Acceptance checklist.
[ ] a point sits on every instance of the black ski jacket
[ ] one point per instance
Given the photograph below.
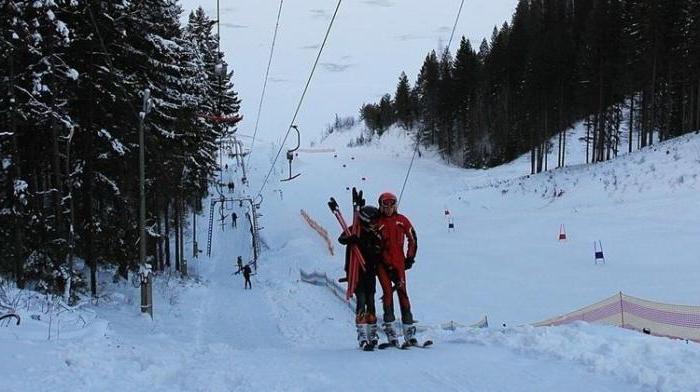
(370, 244)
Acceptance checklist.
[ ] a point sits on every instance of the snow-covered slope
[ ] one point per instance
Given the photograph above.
(502, 260)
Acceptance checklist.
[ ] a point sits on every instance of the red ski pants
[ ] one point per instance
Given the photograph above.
(388, 278)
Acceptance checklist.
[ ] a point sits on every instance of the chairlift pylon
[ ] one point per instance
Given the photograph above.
(290, 156)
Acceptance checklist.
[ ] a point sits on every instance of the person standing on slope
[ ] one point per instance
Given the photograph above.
(395, 229)
(246, 276)
(369, 242)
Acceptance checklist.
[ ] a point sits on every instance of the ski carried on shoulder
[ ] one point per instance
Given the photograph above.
(357, 261)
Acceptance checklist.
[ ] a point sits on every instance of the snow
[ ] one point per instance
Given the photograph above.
(62, 29)
(116, 144)
(503, 259)
(20, 187)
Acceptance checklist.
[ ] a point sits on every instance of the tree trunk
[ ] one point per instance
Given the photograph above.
(697, 110)
(560, 126)
(631, 126)
(183, 218)
(601, 131)
(588, 137)
(653, 102)
(533, 154)
(594, 142)
(159, 252)
(57, 194)
(90, 251)
(177, 234)
(18, 221)
(167, 231)
(545, 142)
(642, 136)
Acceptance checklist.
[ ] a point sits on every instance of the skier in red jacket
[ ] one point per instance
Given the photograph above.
(395, 229)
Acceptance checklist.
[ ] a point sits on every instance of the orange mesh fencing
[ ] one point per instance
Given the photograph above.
(319, 229)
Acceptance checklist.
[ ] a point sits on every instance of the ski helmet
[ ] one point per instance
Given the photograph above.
(368, 214)
(387, 198)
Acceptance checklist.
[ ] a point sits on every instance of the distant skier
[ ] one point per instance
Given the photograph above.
(239, 263)
(369, 242)
(234, 218)
(395, 229)
(246, 276)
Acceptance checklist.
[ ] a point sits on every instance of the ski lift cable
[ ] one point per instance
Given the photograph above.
(454, 27)
(267, 74)
(301, 100)
(415, 149)
(410, 166)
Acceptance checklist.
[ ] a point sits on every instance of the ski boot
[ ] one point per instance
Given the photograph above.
(409, 330)
(362, 338)
(373, 336)
(409, 334)
(390, 332)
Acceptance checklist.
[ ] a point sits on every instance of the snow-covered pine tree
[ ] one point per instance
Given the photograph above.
(40, 79)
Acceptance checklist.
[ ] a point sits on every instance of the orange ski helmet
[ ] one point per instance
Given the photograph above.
(387, 199)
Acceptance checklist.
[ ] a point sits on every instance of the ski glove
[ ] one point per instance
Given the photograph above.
(349, 240)
(408, 263)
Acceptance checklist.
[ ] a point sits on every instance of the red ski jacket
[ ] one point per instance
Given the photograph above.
(395, 229)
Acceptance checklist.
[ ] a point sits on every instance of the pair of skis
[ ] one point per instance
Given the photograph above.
(405, 345)
(357, 261)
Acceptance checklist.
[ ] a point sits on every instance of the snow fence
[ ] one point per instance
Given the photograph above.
(319, 229)
(653, 318)
(321, 279)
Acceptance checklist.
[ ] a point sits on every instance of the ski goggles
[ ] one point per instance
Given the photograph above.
(388, 202)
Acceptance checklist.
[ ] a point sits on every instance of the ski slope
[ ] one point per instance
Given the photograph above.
(503, 259)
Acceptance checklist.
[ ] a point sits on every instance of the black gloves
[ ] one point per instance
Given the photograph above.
(349, 240)
(408, 263)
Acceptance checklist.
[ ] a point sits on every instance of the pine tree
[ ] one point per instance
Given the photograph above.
(403, 103)
(467, 73)
(427, 88)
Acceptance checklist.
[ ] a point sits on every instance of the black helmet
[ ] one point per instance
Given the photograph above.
(368, 214)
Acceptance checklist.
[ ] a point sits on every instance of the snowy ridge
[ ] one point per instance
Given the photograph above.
(668, 166)
(652, 363)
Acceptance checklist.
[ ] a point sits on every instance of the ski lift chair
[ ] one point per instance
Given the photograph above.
(290, 156)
